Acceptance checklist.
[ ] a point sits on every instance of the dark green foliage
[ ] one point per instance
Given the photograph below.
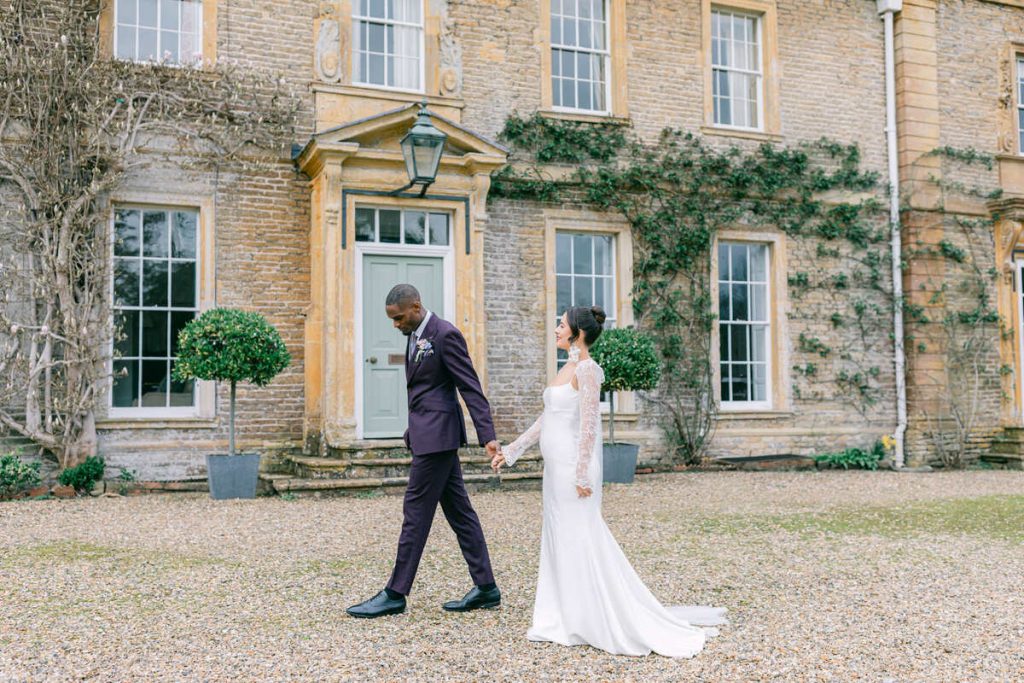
(17, 476)
(230, 345)
(81, 477)
(568, 142)
(854, 458)
(629, 360)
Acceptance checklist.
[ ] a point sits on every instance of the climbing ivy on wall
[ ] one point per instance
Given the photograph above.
(679, 192)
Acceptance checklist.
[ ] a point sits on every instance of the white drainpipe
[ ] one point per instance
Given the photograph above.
(888, 10)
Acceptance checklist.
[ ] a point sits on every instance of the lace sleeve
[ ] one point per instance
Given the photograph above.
(589, 376)
(525, 440)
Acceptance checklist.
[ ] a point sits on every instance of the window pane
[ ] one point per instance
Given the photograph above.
(364, 225)
(183, 285)
(603, 255)
(182, 393)
(154, 233)
(126, 42)
(738, 343)
(723, 262)
(126, 383)
(582, 253)
(439, 229)
(154, 283)
(148, 50)
(563, 253)
(723, 346)
(375, 8)
(169, 15)
(563, 296)
(390, 226)
(739, 263)
(739, 303)
(375, 72)
(148, 13)
(759, 383)
(126, 232)
(726, 383)
(583, 291)
(739, 383)
(154, 383)
(759, 343)
(723, 302)
(154, 334)
(183, 234)
(126, 334)
(126, 282)
(178, 321)
(415, 227)
(126, 11)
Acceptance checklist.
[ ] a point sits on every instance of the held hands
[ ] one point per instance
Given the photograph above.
(494, 451)
(583, 492)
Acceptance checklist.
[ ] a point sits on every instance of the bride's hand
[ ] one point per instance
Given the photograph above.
(583, 492)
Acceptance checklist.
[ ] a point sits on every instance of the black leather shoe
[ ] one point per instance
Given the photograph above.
(475, 599)
(380, 605)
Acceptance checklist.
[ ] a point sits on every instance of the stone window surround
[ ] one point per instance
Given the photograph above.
(616, 76)
(208, 30)
(771, 125)
(778, 304)
(589, 222)
(204, 413)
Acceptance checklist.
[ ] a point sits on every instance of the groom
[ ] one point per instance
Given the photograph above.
(436, 363)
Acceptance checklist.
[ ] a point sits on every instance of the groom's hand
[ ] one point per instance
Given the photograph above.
(493, 448)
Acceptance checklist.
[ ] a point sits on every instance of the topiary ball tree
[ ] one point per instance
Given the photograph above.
(630, 363)
(229, 345)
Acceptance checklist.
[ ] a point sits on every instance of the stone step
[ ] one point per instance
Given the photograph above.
(310, 487)
(309, 467)
(379, 449)
(1006, 447)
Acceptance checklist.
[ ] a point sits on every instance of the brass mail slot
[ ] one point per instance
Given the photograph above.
(396, 359)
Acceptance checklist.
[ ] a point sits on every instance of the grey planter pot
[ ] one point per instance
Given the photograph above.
(232, 476)
(620, 462)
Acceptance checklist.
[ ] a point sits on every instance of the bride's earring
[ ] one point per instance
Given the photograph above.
(574, 353)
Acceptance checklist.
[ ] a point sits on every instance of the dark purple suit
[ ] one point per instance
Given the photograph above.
(436, 431)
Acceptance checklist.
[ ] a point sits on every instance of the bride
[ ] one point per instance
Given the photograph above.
(587, 592)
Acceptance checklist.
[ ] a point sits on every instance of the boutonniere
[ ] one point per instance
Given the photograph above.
(423, 349)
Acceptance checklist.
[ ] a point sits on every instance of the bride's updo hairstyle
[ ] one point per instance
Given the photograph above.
(585, 320)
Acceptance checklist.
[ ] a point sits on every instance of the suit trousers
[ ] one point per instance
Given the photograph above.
(437, 478)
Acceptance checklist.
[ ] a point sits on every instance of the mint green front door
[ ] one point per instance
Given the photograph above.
(385, 411)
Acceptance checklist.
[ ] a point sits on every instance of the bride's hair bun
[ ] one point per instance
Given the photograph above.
(585, 321)
(599, 315)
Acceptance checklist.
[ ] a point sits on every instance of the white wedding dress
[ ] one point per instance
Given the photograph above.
(587, 592)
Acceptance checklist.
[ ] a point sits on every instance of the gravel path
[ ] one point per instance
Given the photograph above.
(828, 577)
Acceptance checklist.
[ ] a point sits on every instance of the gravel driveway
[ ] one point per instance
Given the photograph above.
(828, 576)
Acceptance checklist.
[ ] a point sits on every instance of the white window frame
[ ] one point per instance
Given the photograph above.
(606, 55)
(766, 323)
(357, 21)
(758, 74)
(199, 9)
(154, 412)
(610, 307)
(402, 211)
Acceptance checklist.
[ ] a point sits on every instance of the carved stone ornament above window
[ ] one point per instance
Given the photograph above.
(328, 62)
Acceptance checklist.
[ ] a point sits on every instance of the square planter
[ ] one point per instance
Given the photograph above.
(619, 462)
(232, 476)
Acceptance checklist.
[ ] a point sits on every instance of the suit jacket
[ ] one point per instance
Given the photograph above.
(432, 376)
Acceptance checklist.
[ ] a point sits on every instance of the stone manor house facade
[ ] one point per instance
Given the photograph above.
(316, 243)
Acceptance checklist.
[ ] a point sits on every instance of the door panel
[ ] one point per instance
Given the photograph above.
(385, 410)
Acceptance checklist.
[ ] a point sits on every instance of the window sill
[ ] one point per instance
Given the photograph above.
(756, 414)
(112, 423)
(383, 93)
(581, 117)
(741, 133)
